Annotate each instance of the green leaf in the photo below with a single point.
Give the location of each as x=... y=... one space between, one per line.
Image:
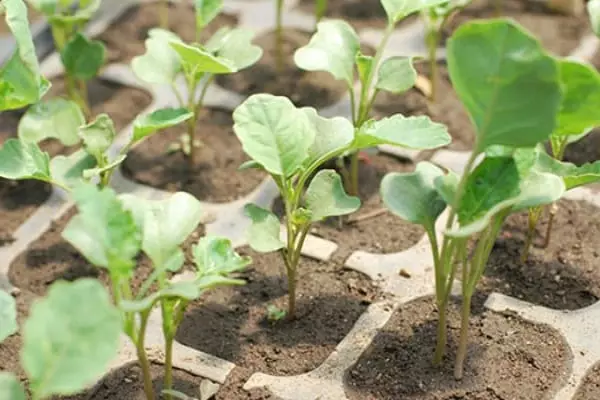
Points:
x=413 y=196
x=10 y=387
x=160 y=64
x=188 y=290
x=8 y=316
x=98 y=136
x=274 y=133
x=412 y=132
x=54 y=118
x=216 y=257
x=70 y=338
x=165 y=225
x=508 y=84
x=331 y=135
x=581 y=97
x=333 y=48
x=446 y=186
x=593 y=7
x=82 y=57
x=364 y=64
x=110 y=165
x=198 y=61
x=572 y=175
x=325 y=196
x=397 y=10
x=235 y=46
x=103 y=230
x=147 y=124
x=396 y=75
x=539 y=189
x=69 y=171
x=206 y=11
x=263 y=235
x=20 y=160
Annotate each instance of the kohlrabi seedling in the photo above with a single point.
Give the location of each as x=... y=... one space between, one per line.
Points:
x=82 y=58
x=69 y=339
x=511 y=88
x=292 y=144
x=335 y=48
x=110 y=231
x=62 y=119
x=435 y=18
x=167 y=57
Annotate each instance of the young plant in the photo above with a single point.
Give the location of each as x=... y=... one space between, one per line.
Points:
x=292 y=144
x=335 y=48
x=69 y=339
x=81 y=57
x=511 y=89
x=62 y=119
x=578 y=114
x=167 y=57
x=110 y=231
x=435 y=19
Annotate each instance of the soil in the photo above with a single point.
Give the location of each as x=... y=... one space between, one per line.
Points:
x=586 y=150
x=135 y=23
x=313 y=89
x=358 y=13
x=233 y=389
x=590 y=387
x=558 y=33
x=20 y=199
x=564 y=276
x=51 y=258
x=507 y=358
x=215 y=175
x=231 y=322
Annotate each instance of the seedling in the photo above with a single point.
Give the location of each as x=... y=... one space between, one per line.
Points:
x=435 y=19
x=292 y=144
x=62 y=119
x=69 y=339
x=82 y=58
x=335 y=48
x=110 y=231
x=274 y=313
x=167 y=57
x=511 y=89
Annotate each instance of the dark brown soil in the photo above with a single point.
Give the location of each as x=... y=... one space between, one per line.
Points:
x=358 y=13
x=507 y=358
x=586 y=150
x=50 y=258
x=558 y=33
x=590 y=387
x=565 y=275
x=215 y=176
x=135 y=23
x=18 y=200
x=231 y=323
x=314 y=89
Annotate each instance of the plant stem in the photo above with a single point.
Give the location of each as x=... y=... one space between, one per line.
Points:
x=163 y=14
x=533 y=217
x=553 y=211
x=464 y=337
x=498 y=7
x=142 y=356
x=168 y=379
x=191 y=133
x=440 y=348
x=320 y=9
x=279 y=35
x=432 y=44
x=354 y=166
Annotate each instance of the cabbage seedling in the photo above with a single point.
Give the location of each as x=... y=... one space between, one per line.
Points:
x=69 y=339
x=110 y=231
x=167 y=57
x=335 y=48
x=511 y=89
x=292 y=144
x=81 y=57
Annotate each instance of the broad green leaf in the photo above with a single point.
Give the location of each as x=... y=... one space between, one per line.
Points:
x=103 y=230
x=446 y=186
x=581 y=97
x=82 y=57
x=412 y=132
x=188 y=290
x=331 y=135
x=69 y=171
x=8 y=316
x=70 y=337
x=18 y=23
x=263 y=234
x=160 y=64
x=215 y=256
x=20 y=160
x=333 y=48
x=507 y=83
x=539 y=189
x=274 y=133
x=98 y=135
x=206 y=11
x=396 y=75
x=147 y=124
x=572 y=175
x=10 y=387
x=413 y=196
x=397 y=10
x=54 y=118
x=198 y=61
x=325 y=196
x=235 y=46
x=165 y=225
x=593 y=7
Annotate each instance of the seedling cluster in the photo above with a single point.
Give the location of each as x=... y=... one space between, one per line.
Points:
x=520 y=99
